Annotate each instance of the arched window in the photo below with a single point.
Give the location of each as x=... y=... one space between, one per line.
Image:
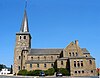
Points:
x=76 y=72
x=74 y=63
x=82 y=71
x=24 y=37
x=61 y=62
x=73 y=53
x=23 y=67
x=19 y=57
x=78 y=64
x=76 y=54
x=90 y=61
x=69 y=54
x=51 y=57
x=20 y=37
x=38 y=58
x=30 y=65
x=44 y=57
x=18 y=67
x=31 y=58
x=82 y=63
x=51 y=64
x=45 y=65
x=37 y=65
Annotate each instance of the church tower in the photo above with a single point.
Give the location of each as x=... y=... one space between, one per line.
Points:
x=22 y=46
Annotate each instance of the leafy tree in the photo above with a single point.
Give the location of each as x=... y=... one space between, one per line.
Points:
x=36 y=72
x=30 y=73
x=63 y=71
x=23 y=72
x=50 y=71
x=2 y=66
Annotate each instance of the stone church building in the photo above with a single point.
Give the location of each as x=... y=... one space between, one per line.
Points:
x=75 y=59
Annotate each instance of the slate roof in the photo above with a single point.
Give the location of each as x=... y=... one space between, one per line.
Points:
x=85 y=51
x=45 y=51
x=24 y=27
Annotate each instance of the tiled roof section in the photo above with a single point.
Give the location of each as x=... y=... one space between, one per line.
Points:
x=39 y=61
x=84 y=50
x=45 y=51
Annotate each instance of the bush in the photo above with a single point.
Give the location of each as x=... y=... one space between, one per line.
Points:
x=30 y=73
x=23 y=72
x=50 y=71
x=63 y=71
x=36 y=72
x=46 y=72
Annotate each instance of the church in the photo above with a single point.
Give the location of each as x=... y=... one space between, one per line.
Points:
x=75 y=59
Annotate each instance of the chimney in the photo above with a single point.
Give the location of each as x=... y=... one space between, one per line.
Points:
x=76 y=42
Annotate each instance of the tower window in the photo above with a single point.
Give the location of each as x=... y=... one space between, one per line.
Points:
x=20 y=37
x=24 y=37
x=90 y=61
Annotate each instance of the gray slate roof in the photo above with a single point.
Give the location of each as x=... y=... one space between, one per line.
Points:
x=85 y=51
x=45 y=51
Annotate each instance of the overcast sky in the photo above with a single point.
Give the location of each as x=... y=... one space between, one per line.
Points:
x=52 y=24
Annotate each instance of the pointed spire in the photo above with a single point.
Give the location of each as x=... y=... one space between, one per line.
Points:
x=24 y=26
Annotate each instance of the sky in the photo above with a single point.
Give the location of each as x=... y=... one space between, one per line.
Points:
x=52 y=24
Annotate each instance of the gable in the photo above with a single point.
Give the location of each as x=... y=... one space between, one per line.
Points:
x=73 y=49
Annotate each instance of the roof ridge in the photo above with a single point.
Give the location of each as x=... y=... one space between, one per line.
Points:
x=47 y=48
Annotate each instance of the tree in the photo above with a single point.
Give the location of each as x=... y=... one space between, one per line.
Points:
x=2 y=66
x=36 y=72
x=23 y=72
x=64 y=71
x=30 y=73
x=50 y=71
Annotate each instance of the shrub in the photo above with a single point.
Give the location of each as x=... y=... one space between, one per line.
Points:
x=23 y=72
x=46 y=72
x=36 y=72
x=50 y=71
x=64 y=71
x=30 y=73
